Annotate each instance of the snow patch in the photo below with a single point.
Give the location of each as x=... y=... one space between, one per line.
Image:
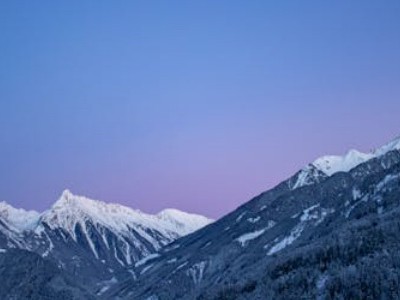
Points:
x=50 y=247
x=107 y=284
x=306 y=216
x=240 y=217
x=181 y=266
x=145 y=269
x=321 y=282
x=245 y=238
x=391 y=146
x=254 y=220
x=386 y=181
x=316 y=213
x=172 y=248
x=294 y=235
x=146 y=259
x=307 y=176
x=206 y=245
x=196 y=272
x=356 y=194
x=351 y=208
x=302 y=178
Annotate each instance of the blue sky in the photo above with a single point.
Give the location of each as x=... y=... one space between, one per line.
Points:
x=197 y=106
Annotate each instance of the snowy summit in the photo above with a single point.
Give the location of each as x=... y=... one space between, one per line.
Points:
x=332 y=164
x=71 y=210
x=18 y=218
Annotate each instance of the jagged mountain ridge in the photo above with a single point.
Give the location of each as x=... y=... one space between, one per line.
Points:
x=329 y=165
x=272 y=247
x=93 y=240
x=153 y=231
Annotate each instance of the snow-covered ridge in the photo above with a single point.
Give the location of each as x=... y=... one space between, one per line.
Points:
x=114 y=235
x=331 y=164
x=392 y=145
x=187 y=222
x=18 y=218
x=70 y=210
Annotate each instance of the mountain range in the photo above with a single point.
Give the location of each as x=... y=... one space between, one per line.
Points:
x=92 y=241
x=331 y=231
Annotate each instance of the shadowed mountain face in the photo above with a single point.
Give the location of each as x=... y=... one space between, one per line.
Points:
x=314 y=236
x=26 y=275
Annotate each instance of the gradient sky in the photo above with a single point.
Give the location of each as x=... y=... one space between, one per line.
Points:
x=197 y=105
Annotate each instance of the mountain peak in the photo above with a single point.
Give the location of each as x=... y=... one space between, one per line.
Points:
x=68 y=199
x=71 y=209
x=187 y=221
x=66 y=194
x=331 y=164
x=176 y=213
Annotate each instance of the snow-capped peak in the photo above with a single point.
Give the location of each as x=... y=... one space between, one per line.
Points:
x=71 y=209
x=18 y=218
x=331 y=164
x=188 y=222
x=69 y=202
x=102 y=228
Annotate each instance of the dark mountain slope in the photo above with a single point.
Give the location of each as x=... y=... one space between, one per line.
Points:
x=318 y=239
x=26 y=275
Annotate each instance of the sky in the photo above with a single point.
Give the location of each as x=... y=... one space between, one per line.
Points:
x=195 y=105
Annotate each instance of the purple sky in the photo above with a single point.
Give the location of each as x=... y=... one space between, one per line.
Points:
x=159 y=104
